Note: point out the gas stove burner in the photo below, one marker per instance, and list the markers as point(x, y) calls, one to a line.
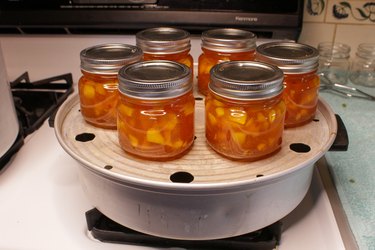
point(36, 101)
point(106, 230)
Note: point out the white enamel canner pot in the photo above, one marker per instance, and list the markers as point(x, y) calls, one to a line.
point(9, 127)
point(201, 195)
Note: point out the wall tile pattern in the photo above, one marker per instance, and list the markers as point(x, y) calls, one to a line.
point(350, 22)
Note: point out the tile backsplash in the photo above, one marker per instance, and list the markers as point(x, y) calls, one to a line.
point(349, 22)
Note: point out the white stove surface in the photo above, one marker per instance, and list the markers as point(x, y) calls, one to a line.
point(43, 205)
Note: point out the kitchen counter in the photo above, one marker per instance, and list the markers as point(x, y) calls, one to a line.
point(353, 170)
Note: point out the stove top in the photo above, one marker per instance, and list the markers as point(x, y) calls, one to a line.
point(34, 103)
point(107, 230)
point(44, 205)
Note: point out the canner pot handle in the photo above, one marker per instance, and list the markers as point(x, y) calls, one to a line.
point(342, 140)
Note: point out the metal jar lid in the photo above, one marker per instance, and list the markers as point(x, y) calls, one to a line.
point(292, 58)
point(228, 40)
point(246, 80)
point(157, 79)
point(107, 59)
point(163, 40)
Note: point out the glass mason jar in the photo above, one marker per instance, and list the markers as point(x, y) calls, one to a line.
point(220, 45)
point(244, 109)
point(165, 43)
point(334, 61)
point(156, 109)
point(299, 62)
point(98, 84)
point(363, 67)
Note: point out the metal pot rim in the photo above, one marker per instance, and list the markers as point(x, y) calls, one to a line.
point(326, 115)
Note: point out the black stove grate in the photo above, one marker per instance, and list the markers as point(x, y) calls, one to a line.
point(34, 103)
point(106, 230)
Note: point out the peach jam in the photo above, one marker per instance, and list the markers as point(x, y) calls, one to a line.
point(220, 45)
point(244, 109)
point(156, 109)
point(165, 43)
point(98, 84)
point(299, 62)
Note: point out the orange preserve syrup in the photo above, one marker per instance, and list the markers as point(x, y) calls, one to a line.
point(166, 43)
point(221, 45)
point(301, 98)
point(244, 130)
point(156, 129)
point(156, 110)
point(182, 57)
point(98, 85)
point(244, 110)
point(208, 59)
point(98, 99)
point(299, 63)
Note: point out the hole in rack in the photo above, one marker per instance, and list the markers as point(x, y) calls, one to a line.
point(108, 167)
point(259, 175)
point(300, 147)
point(198, 98)
point(85, 137)
point(181, 177)
point(315, 119)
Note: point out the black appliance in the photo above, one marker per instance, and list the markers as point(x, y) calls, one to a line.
point(274, 19)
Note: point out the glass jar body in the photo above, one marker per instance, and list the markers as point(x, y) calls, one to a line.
point(301, 97)
point(210, 58)
point(337, 70)
point(98, 96)
point(156, 129)
point(334, 61)
point(244, 130)
point(363, 68)
point(181, 57)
